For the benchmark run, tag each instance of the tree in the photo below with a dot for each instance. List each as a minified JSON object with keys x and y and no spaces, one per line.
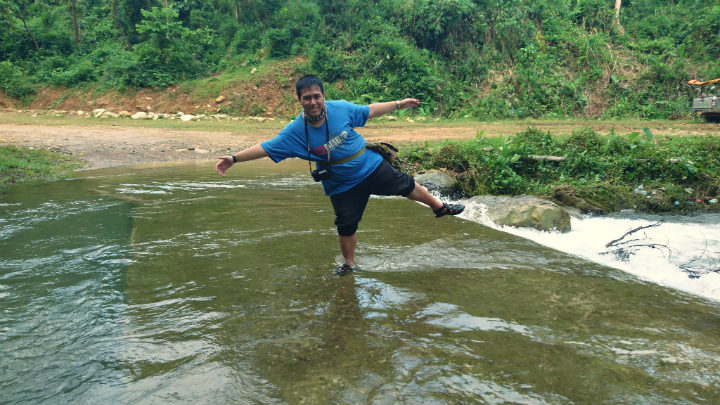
{"x":72,"y":6}
{"x":618,"y":4}
{"x":23,"y":17}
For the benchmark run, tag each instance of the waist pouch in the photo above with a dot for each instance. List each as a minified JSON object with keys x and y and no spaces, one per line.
{"x":387,"y":150}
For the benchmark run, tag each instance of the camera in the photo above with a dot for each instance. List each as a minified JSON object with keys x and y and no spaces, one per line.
{"x":321,"y":174}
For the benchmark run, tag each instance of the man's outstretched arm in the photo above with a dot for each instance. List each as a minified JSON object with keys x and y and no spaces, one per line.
{"x":251,"y":153}
{"x":378,"y":109}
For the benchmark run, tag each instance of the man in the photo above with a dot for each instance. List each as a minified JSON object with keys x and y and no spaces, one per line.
{"x":325,"y":133}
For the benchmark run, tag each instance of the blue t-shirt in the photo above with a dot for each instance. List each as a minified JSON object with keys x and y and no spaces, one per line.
{"x":342,"y":117}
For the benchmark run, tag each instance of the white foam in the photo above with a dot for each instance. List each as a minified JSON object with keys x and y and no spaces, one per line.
{"x":677,"y":244}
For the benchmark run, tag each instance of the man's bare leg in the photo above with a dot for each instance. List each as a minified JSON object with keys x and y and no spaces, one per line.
{"x":347,"y":247}
{"x":421,"y":194}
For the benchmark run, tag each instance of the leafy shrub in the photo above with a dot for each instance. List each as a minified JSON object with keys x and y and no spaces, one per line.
{"x":278,"y":41}
{"x":247,"y":38}
{"x":81,"y":72}
{"x":163,"y":55}
{"x":392,"y":68}
{"x":534,"y":141}
{"x":330,"y":64}
{"x":13,"y":82}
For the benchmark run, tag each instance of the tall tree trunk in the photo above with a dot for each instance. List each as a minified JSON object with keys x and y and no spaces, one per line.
{"x":237,"y":11}
{"x":618,"y":4}
{"x":117,"y":21}
{"x":23,"y":17}
{"x":72,"y":4}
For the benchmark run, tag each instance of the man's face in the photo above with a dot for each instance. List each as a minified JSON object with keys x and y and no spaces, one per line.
{"x":312,"y":100}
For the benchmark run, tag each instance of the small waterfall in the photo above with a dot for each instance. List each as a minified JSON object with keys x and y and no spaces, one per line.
{"x":681,"y":252}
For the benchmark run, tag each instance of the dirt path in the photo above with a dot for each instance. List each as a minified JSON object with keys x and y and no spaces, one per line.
{"x":110,"y":145}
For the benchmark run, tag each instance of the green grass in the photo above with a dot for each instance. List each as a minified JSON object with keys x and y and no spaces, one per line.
{"x":24,"y":164}
{"x":213,"y":85}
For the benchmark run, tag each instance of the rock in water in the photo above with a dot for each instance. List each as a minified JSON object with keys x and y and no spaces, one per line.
{"x":435,"y":180}
{"x":526,"y":212}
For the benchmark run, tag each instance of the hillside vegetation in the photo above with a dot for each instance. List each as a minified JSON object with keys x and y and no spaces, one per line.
{"x":483,"y":59}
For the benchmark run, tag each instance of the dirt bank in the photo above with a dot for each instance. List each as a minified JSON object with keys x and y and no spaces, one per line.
{"x":106,"y":145}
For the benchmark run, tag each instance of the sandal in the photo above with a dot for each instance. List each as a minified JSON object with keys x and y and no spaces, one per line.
{"x":448,"y":209}
{"x":344,"y":270}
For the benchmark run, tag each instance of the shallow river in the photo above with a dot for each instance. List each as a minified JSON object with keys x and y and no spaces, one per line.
{"x":170,"y":284}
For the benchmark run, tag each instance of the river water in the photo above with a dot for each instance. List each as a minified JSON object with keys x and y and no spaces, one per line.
{"x":169,"y":284}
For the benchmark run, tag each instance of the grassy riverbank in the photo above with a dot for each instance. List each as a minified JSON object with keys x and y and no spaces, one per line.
{"x":599,"y":166}
{"x":23,"y":164}
{"x":596,"y":173}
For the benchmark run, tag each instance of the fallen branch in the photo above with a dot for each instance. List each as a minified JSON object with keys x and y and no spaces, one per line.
{"x":706,"y":262}
{"x":695,"y":268}
{"x":630,"y":232}
{"x":547,"y":158}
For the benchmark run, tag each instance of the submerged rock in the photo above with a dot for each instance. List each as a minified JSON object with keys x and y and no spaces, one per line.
{"x":525,"y":212}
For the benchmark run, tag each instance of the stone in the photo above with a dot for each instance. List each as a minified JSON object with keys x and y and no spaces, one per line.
{"x":435,"y":180}
{"x":109,"y":114}
{"x":187,"y":117}
{"x":98,"y":112}
{"x":220,"y":99}
{"x":125,"y":113}
{"x":140,"y":115}
{"x":525,"y":212}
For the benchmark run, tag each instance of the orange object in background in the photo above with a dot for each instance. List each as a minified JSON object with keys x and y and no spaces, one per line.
{"x":699,"y":83}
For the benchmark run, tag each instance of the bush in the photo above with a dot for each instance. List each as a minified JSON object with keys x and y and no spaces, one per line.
{"x":392,"y":68}
{"x":330,"y":64}
{"x":13,"y":82}
{"x":247,"y":38}
{"x":603,"y":170}
{"x":278,"y":42}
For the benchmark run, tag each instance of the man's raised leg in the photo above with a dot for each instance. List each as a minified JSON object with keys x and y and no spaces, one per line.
{"x":439,"y":208}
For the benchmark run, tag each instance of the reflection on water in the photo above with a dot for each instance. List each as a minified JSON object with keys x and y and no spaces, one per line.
{"x":170,"y":284}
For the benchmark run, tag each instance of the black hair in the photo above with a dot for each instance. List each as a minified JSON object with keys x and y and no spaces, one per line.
{"x":308,"y":81}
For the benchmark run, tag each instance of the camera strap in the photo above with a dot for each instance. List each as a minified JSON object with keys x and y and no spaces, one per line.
{"x":307,"y":137}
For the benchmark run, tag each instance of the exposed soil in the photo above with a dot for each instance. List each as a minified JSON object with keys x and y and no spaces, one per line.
{"x":267,"y":94}
{"x":107,"y":145}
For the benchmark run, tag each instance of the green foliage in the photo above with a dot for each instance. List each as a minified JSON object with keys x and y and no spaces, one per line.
{"x":13,"y":82}
{"x":481,"y":58}
{"x":247,"y":38}
{"x":389,"y":67}
{"x":442,"y":25}
{"x":331,"y":65}
{"x":279,"y":42}
{"x":163,"y":53}
{"x":604,"y":170}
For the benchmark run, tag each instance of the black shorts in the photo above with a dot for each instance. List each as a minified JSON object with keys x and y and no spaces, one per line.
{"x":350,"y":205}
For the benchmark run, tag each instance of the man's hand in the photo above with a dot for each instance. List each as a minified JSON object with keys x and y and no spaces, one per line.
{"x":223,"y":164}
{"x":409,"y":103}
{"x":254,"y":152}
{"x":378,"y":109}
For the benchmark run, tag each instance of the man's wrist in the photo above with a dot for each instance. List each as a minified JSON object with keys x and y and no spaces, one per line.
{"x":234,"y":159}
{"x":397,"y":105}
